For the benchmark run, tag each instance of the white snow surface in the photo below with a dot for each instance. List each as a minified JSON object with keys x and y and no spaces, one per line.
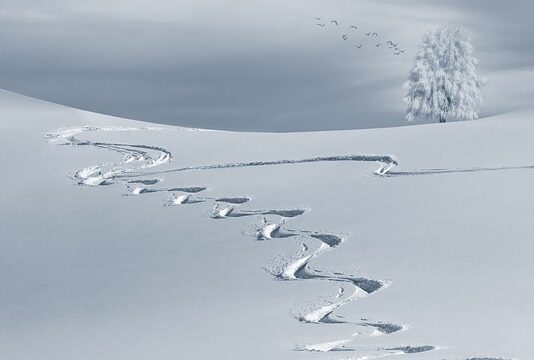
{"x":433,"y":252}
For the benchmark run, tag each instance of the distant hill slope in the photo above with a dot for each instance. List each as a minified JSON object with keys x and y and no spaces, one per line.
{"x":127,"y":240}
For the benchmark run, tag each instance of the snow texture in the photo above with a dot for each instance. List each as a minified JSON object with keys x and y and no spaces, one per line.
{"x":377,"y":263}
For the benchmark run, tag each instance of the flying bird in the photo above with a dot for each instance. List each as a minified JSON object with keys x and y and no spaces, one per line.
{"x":321,"y":25}
{"x":368,"y":34}
{"x":359,"y":46}
{"x":344,"y":36}
{"x":334,"y":22}
{"x":353,"y":27}
{"x":401,"y":51}
{"x":317,"y":18}
{"x":375,"y":34}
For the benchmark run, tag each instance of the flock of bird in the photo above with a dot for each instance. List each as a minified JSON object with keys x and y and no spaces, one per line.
{"x":394,"y":47}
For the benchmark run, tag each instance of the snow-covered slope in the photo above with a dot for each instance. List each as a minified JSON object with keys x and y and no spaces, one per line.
{"x":122,"y":240}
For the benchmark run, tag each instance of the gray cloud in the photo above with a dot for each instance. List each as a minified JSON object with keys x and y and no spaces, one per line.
{"x":248,"y":65}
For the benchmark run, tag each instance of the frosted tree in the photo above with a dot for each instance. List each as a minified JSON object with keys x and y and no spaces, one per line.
{"x":443,"y":82}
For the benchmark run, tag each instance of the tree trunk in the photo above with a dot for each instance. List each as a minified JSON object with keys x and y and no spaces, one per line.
{"x":442,"y":119}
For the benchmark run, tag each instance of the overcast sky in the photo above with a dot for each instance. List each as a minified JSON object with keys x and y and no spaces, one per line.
{"x":249,"y":64}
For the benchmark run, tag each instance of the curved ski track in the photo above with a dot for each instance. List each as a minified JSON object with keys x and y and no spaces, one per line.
{"x":137,"y":158}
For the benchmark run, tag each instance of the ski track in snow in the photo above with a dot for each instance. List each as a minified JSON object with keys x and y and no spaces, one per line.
{"x":137,"y":158}
{"x":457,"y":171}
{"x":388,"y":162}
